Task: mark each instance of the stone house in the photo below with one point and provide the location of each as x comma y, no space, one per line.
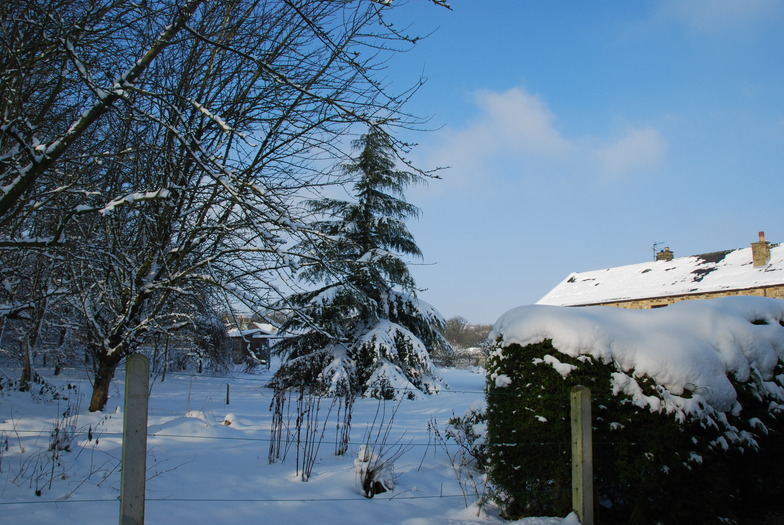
468,357
253,342
756,270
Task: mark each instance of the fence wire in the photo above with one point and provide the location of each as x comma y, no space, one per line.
263,381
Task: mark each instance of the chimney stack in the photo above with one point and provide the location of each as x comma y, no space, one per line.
760,251
665,254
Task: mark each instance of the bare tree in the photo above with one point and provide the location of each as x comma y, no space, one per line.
462,334
151,151
454,328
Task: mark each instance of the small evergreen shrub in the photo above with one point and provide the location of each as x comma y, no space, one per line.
649,466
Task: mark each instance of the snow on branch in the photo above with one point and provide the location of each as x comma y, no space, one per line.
162,193
28,242
48,155
206,112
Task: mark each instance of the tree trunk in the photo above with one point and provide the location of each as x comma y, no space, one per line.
101,383
27,369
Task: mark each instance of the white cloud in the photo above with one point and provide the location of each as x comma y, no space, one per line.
716,16
638,149
521,121
516,131
512,123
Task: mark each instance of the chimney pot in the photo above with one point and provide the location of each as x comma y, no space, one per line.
762,236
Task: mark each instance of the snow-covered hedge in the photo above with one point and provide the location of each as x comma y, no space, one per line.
688,405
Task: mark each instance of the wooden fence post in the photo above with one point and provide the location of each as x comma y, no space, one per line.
582,454
134,448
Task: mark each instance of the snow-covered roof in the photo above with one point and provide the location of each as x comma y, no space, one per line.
266,327
256,330
710,272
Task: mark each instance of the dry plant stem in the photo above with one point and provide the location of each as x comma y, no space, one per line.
377,453
460,462
343,425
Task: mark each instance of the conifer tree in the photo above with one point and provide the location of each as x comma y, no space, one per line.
363,328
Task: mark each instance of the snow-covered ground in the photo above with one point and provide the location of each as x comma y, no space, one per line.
203,471
207,461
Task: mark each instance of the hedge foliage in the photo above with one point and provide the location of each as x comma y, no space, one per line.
649,467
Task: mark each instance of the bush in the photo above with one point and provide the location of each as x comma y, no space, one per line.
649,466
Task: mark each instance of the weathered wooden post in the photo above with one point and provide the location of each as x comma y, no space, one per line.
227,393
134,448
582,454
27,366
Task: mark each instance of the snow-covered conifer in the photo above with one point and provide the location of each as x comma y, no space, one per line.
364,327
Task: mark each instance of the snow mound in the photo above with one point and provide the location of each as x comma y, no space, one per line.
193,423
571,519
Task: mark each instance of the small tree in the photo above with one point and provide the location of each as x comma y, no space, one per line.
211,341
365,327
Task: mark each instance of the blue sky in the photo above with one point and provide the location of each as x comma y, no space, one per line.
578,134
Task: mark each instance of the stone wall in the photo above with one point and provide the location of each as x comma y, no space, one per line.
658,302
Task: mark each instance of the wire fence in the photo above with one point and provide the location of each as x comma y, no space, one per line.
84,436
